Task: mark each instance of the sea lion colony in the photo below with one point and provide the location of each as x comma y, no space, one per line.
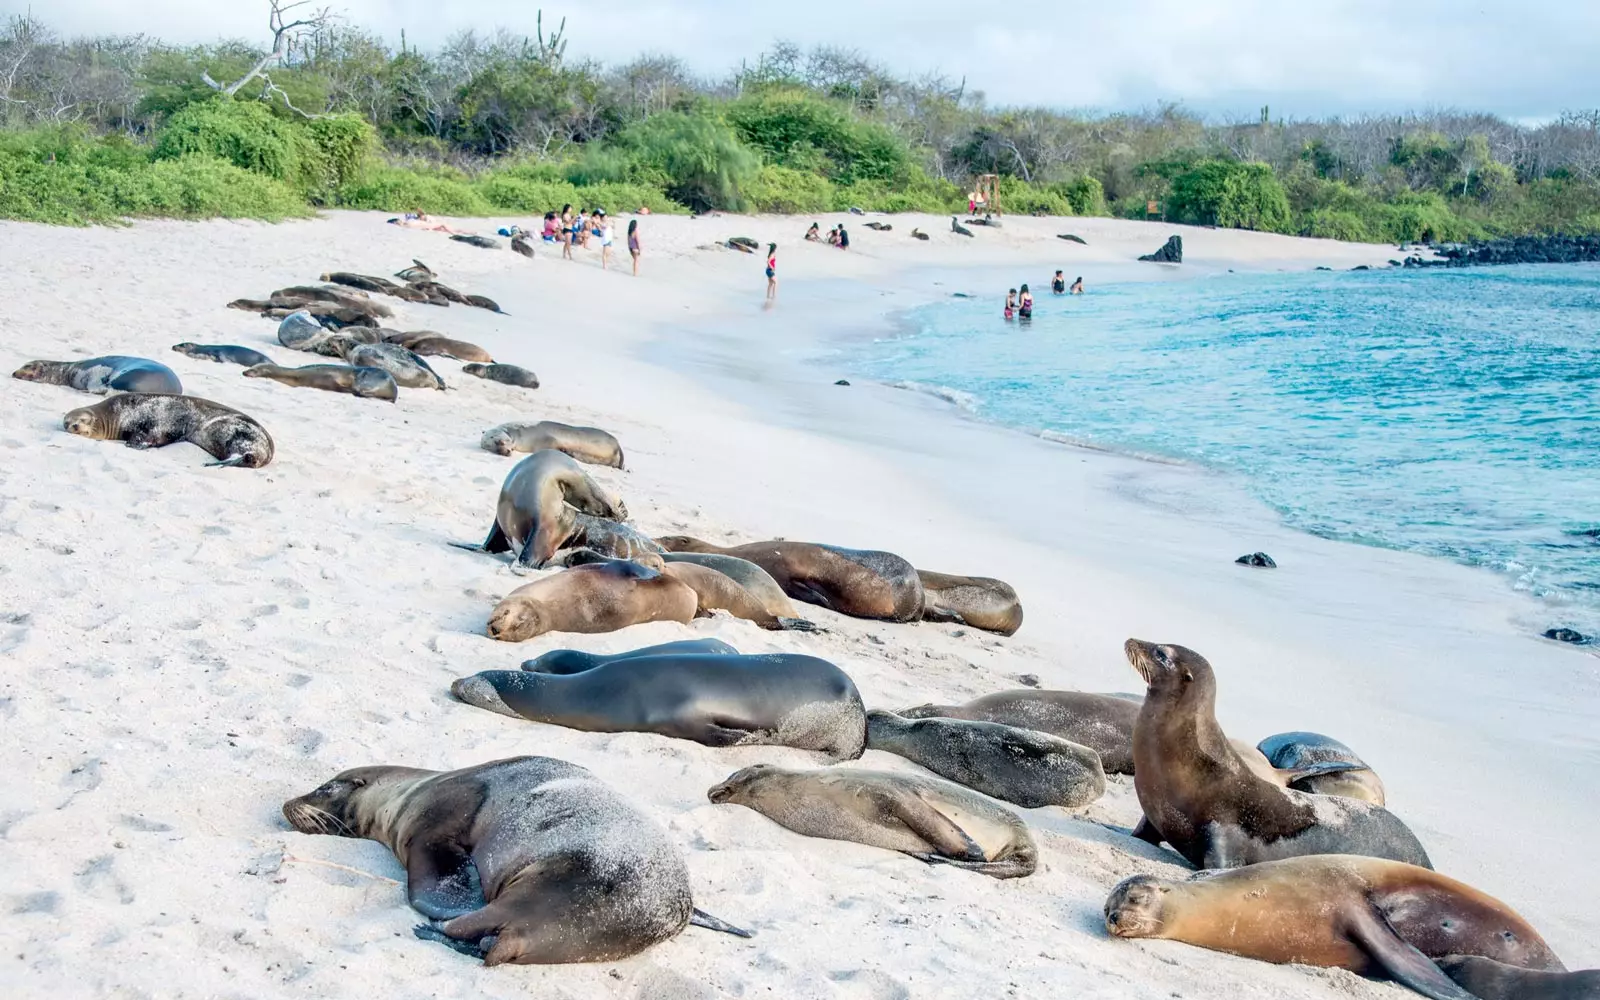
1313,867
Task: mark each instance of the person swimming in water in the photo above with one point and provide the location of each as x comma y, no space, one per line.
1011,303
1025,304
1077,287
1058,284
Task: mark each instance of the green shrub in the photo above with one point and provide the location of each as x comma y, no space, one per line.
697,159
243,133
1085,194
790,192
1332,224
340,146
1230,194
391,189
199,187
795,129
1020,198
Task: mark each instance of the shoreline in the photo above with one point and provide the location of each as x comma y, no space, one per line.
193,646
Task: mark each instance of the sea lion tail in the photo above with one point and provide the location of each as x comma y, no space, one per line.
473,949
470,546
799,625
701,918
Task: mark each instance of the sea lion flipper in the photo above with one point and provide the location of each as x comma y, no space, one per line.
472,949
1292,774
1402,961
1147,832
940,831
441,881
497,540
701,918
798,625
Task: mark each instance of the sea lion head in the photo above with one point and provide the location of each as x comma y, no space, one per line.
1134,908
515,619
497,441
258,371
1170,670
684,543
343,806
33,371
736,786
481,691
187,347
476,369
84,421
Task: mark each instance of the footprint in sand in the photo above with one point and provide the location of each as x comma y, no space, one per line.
99,878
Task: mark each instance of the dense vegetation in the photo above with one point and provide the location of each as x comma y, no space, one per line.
98,129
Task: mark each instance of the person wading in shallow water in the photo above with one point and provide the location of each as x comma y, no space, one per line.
1011,303
772,271
1025,304
1077,287
1058,284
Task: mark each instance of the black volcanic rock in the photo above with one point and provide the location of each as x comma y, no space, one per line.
1171,252
1567,635
1257,559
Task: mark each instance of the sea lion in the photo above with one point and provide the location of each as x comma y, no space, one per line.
435,290
484,302
718,699
977,601
482,242
152,420
436,346
365,282
536,511
1022,766
521,244
719,592
594,539
1299,750
530,859
573,661
1206,803
586,444
507,374
367,383
112,373
1101,722
1490,980
418,271
928,818
408,369
223,353
862,584
1370,916
746,574
300,331
602,597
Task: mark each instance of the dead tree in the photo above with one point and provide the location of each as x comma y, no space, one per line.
284,34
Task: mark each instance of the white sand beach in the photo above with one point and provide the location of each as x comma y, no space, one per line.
183,648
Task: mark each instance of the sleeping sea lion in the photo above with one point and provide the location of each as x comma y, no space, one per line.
1298,750
407,368
112,373
530,860
1204,801
521,244
573,661
746,574
586,444
719,592
506,374
595,539
365,282
1022,766
1102,722
718,699
602,597
977,601
367,383
429,345
483,302
1371,916
928,818
862,584
224,353
537,509
152,420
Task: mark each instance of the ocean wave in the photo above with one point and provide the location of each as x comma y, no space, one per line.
955,397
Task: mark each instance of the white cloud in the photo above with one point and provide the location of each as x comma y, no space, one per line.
1526,60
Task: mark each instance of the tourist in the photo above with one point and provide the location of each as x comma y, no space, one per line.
1077,287
812,235
633,244
566,231
604,232
1025,304
1058,284
772,271
550,226
844,239
1011,303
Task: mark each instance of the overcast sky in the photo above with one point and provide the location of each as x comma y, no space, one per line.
1524,59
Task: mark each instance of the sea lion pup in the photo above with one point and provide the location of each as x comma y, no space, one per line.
484,302
153,420
418,271
408,369
1299,750
928,818
367,383
508,374
719,592
1370,916
586,444
575,661
112,373
224,353
1206,803
445,347
1022,766
855,582
530,859
602,597
718,699
977,601
1101,722
538,505
746,574
1490,980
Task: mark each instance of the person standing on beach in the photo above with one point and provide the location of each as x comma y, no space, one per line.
633,244
1025,304
772,271
604,226
566,232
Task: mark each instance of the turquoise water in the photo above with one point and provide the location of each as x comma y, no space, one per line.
1454,413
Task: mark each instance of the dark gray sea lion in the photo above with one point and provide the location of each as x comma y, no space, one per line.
367,383
418,271
365,282
112,373
958,228
224,353
1102,722
1487,979
530,860
484,302
573,661
746,574
718,592
521,244
432,345
482,242
592,539
1204,801
1022,766
300,331
977,601
153,420
1373,917
436,290
928,818
508,374
586,444
719,699
408,369
1299,750
855,582
602,597
535,514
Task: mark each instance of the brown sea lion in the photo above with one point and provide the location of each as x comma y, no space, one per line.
928,818
595,539
405,367
1102,722
977,601
432,345
152,420
855,582
1288,751
746,574
1490,980
223,353
718,699
521,244
113,373
505,374
602,597
574,661
530,860
483,302
719,592
365,282
586,444
1022,766
367,383
1203,799
1367,915
535,515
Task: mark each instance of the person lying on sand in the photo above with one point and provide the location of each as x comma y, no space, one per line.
421,220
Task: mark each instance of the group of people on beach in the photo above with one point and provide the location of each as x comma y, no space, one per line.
837,236
1019,304
568,229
